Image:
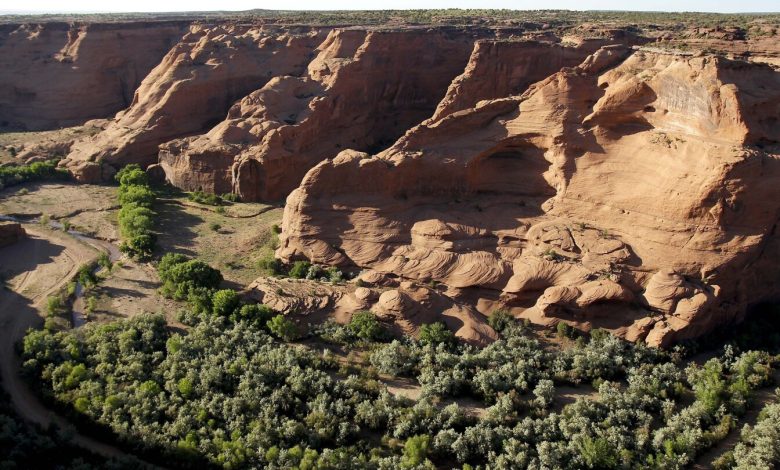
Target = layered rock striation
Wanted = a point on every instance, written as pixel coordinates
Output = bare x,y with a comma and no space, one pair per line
363,90
59,74
191,89
637,191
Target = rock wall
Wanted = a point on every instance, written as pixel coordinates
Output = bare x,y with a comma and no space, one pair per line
57,74
637,191
500,68
191,89
362,91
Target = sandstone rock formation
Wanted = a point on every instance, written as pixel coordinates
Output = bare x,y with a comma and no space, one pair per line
637,191
10,233
363,90
500,68
558,170
192,89
59,74
403,309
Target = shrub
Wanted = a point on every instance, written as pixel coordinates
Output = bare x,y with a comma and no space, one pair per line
184,386
500,319
299,269
215,226
334,274
436,333
416,452
269,264
55,305
204,198
180,275
283,328
365,326
597,453
225,302
86,277
544,393
199,300
12,175
563,330
91,305
257,314
104,261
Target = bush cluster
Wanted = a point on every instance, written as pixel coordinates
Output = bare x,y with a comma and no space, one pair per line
212,199
136,217
198,283
228,394
38,171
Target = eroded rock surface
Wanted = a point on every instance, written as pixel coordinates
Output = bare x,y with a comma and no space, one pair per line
363,90
403,309
634,192
191,89
58,74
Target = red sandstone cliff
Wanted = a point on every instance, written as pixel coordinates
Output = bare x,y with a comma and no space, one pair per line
191,89
58,74
638,191
500,68
363,90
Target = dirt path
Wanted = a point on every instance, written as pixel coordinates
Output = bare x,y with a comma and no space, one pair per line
42,264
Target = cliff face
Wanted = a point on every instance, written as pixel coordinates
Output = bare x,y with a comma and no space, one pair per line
362,91
191,89
500,68
637,191
57,74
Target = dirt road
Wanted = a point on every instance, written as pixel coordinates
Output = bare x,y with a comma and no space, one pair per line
34,269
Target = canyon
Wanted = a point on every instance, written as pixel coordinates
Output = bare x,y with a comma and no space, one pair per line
615,176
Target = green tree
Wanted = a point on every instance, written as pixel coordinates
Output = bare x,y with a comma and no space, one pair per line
500,319
299,269
597,453
416,452
283,328
131,175
258,314
436,333
180,275
136,194
365,326
225,302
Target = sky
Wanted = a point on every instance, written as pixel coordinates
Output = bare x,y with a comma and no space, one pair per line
81,6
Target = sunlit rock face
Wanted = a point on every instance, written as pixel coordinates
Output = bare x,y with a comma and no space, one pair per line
191,89
637,191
